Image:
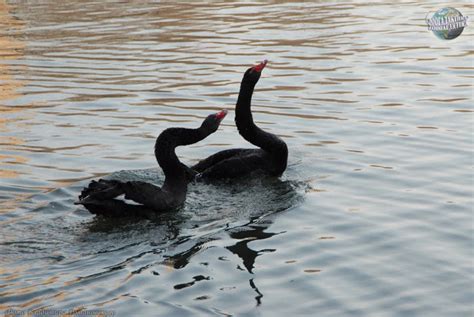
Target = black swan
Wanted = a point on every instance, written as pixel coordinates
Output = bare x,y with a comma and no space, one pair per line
272,155
100,197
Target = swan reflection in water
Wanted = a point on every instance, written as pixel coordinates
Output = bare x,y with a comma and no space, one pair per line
241,210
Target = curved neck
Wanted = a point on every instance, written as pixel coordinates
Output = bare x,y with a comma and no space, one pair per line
165,146
249,130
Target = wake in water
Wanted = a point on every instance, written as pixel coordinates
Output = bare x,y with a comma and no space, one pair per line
241,209
56,240
210,209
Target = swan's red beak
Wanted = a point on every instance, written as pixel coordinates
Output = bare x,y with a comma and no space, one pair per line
221,114
261,66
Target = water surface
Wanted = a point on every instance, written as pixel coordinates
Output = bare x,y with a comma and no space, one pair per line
373,216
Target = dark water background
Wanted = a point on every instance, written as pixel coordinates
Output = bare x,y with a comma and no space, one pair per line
372,218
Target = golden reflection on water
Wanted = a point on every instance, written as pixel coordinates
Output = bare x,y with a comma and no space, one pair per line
10,49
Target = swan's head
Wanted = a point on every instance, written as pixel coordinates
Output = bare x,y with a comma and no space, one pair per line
252,75
212,122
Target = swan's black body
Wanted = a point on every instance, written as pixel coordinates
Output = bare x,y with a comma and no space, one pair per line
100,197
272,155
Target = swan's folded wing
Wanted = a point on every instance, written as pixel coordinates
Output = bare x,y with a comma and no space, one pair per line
218,157
118,208
101,190
236,166
148,195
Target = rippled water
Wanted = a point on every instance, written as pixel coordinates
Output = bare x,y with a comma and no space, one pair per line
372,218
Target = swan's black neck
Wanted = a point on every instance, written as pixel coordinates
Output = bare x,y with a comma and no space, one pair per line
166,143
249,131
244,118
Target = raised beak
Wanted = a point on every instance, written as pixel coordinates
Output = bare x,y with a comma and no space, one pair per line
261,66
221,114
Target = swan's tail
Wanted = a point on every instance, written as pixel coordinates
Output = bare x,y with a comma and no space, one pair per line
99,191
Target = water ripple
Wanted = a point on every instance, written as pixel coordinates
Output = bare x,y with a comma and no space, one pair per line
372,217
